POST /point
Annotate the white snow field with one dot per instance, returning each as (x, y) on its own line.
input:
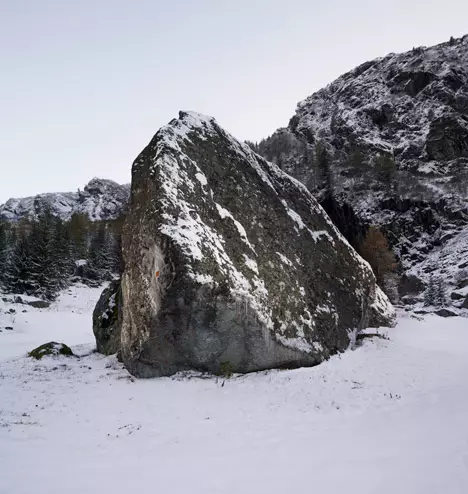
(389, 417)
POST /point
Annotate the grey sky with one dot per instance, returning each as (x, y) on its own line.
(85, 84)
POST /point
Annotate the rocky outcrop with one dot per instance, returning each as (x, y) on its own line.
(230, 262)
(100, 200)
(412, 107)
(107, 318)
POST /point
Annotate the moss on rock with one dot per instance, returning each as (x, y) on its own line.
(51, 349)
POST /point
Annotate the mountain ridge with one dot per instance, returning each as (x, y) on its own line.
(101, 200)
(407, 112)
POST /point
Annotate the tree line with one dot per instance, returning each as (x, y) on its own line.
(42, 255)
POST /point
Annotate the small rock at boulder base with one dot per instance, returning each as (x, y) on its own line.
(39, 304)
(465, 303)
(446, 313)
(230, 261)
(407, 300)
(106, 320)
(410, 284)
(51, 349)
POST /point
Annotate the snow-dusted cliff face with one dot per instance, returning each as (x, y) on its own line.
(411, 107)
(231, 262)
(99, 200)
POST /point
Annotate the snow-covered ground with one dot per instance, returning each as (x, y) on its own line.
(388, 417)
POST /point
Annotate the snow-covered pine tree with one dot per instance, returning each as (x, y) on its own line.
(431, 292)
(323, 163)
(44, 275)
(441, 293)
(61, 250)
(78, 231)
(115, 244)
(100, 254)
(3, 252)
(19, 265)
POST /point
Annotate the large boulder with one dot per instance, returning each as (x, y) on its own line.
(231, 262)
(107, 319)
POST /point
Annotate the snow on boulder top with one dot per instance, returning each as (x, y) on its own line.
(100, 200)
(231, 263)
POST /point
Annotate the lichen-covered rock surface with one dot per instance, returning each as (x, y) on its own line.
(51, 349)
(231, 262)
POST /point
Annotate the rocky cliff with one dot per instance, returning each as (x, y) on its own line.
(231, 264)
(396, 131)
(99, 200)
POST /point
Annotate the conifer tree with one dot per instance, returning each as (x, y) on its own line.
(3, 252)
(440, 293)
(45, 276)
(78, 231)
(323, 163)
(61, 250)
(100, 257)
(385, 169)
(18, 270)
(430, 294)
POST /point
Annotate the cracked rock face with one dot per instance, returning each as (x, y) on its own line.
(230, 262)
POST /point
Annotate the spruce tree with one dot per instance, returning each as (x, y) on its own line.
(115, 244)
(45, 275)
(3, 252)
(385, 169)
(323, 163)
(430, 294)
(19, 266)
(61, 249)
(357, 159)
(440, 293)
(78, 232)
(100, 256)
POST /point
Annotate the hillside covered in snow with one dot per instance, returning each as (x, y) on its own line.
(99, 200)
(395, 134)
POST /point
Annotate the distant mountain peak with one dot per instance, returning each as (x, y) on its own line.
(100, 199)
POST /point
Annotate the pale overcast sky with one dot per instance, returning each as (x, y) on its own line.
(86, 84)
